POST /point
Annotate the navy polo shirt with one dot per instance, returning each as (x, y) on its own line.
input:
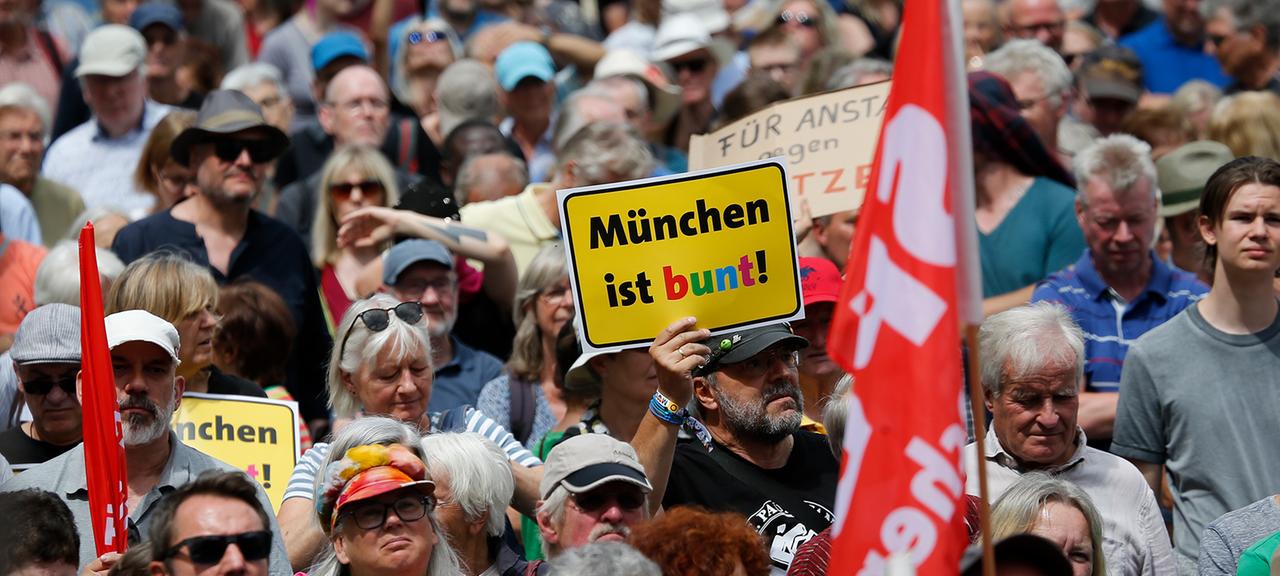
(1109, 324)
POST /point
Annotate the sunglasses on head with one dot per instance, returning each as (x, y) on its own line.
(41, 386)
(378, 319)
(229, 149)
(598, 500)
(429, 37)
(208, 550)
(695, 66)
(367, 188)
(801, 18)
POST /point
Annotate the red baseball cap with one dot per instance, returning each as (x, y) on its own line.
(820, 280)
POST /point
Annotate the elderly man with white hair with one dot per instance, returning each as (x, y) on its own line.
(1032, 369)
(24, 126)
(1118, 290)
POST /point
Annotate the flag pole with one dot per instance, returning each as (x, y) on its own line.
(979, 445)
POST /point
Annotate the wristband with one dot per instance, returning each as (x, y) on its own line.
(666, 410)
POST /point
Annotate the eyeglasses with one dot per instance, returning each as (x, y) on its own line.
(229, 149)
(695, 66)
(801, 18)
(373, 515)
(598, 500)
(429, 37)
(1031, 29)
(378, 319)
(555, 296)
(342, 191)
(208, 550)
(759, 364)
(413, 290)
(354, 107)
(41, 386)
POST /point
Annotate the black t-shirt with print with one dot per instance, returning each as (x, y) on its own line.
(785, 520)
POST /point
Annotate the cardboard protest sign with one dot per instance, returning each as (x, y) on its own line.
(256, 435)
(828, 141)
(716, 244)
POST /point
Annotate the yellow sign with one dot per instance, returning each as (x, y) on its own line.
(828, 140)
(716, 244)
(256, 435)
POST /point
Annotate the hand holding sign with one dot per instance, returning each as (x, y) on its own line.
(677, 352)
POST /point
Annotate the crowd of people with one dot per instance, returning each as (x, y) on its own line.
(352, 205)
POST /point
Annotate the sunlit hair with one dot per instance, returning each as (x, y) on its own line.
(1019, 56)
(155, 153)
(1018, 510)
(167, 284)
(604, 152)
(58, 277)
(545, 271)
(1119, 161)
(399, 341)
(723, 539)
(20, 96)
(605, 557)
(836, 412)
(478, 474)
(1017, 342)
(1248, 123)
(371, 164)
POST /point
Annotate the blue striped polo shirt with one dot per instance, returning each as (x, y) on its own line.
(1110, 325)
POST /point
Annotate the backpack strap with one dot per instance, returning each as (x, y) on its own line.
(522, 409)
(531, 568)
(45, 40)
(408, 149)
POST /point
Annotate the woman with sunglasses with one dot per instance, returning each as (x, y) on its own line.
(426, 48)
(381, 365)
(354, 177)
(376, 506)
(543, 304)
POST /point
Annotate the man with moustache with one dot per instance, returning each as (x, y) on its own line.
(593, 488)
(751, 456)
(144, 357)
(229, 150)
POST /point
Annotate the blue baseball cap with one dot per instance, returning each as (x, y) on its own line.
(523, 60)
(409, 252)
(335, 45)
(154, 13)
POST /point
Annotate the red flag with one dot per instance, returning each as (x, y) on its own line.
(897, 327)
(103, 441)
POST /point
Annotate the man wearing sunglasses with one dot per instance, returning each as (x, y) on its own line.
(751, 456)
(229, 150)
(213, 523)
(593, 489)
(46, 357)
(144, 359)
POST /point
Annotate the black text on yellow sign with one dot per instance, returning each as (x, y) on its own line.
(717, 244)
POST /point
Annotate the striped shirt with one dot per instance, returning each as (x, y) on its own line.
(101, 168)
(302, 482)
(1109, 323)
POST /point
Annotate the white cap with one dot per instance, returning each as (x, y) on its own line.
(685, 33)
(624, 62)
(710, 12)
(112, 50)
(142, 326)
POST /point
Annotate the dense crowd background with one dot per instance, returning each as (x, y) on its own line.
(351, 204)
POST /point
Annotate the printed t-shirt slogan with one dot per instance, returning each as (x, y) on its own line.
(716, 244)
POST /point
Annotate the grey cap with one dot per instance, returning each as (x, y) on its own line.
(49, 334)
(409, 252)
(226, 112)
(587, 461)
(741, 345)
(1183, 173)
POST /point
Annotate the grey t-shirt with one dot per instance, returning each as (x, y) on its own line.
(1227, 537)
(1203, 403)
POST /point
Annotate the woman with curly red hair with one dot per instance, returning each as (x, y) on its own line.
(711, 543)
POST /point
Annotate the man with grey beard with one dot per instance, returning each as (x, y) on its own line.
(751, 457)
(144, 357)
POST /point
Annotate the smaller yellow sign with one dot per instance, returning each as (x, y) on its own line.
(256, 435)
(716, 244)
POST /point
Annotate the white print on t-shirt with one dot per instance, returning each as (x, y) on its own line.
(784, 532)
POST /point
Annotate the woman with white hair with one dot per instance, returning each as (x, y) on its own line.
(381, 365)
(376, 492)
(1056, 510)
